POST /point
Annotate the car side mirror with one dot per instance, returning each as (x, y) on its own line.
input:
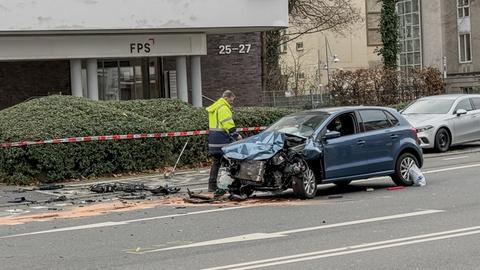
(460, 112)
(332, 135)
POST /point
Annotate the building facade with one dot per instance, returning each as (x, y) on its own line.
(462, 45)
(186, 49)
(309, 60)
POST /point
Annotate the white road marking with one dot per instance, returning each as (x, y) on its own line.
(263, 236)
(455, 158)
(453, 168)
(425, 172)
(126, 222)
(235, 239)
(351, 249)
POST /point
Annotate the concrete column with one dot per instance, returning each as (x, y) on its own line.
(76, 77)
(92, 79)
(195, 62)
(182, 85)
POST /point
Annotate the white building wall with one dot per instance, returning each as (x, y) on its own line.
(157, 15)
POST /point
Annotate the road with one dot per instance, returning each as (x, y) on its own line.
(431, 227)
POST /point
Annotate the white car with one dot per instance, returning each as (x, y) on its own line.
(445, 120)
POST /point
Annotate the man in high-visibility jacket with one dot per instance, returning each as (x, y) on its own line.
(222, 131)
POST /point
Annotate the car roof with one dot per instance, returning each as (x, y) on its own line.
(331, 110)
(450, 96)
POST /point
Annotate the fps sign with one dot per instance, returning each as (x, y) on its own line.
(145, 47)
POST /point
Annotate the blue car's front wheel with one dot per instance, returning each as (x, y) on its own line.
(305, 185)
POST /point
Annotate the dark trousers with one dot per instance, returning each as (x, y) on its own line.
(217, 162)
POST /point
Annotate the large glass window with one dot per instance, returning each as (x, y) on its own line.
(410, 38)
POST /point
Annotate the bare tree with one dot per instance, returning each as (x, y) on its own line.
(312, 16)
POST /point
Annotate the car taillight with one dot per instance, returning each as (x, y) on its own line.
(415, 134)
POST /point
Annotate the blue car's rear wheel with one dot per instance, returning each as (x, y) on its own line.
(305, 185)
(402, 169)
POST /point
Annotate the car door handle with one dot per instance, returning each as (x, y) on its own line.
(361, 142)
(394, 136)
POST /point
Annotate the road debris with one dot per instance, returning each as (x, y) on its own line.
(133, 188)
(18, 200)
(396, 188)
(370, 189)
(50, 187)
(335, 197)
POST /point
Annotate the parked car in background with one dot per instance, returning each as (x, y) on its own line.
(336, 145)
(445, 120)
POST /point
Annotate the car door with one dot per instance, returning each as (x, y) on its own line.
(344, 156)
(476, 116)
(381, 138)
(464, 127)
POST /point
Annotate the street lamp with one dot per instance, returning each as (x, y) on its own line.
(327, 59)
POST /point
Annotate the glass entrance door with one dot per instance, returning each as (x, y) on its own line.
(128, 79)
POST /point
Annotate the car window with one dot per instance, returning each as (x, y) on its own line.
(476, 103)
(392, 118)
(429, 106)
(345, 124)
(374, 120)
(465, 105)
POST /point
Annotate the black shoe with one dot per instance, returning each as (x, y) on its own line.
(212, 187)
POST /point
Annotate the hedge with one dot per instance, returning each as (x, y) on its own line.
(67, 116)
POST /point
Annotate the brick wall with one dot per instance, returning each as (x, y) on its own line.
(241, 73)
(20, 81)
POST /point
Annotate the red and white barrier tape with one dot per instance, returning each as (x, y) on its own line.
(119, 137)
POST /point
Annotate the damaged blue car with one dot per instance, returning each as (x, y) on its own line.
(335, 145)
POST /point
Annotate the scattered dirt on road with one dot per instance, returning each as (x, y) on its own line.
(123, 206)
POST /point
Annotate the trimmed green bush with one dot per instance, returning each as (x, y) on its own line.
(67, 116)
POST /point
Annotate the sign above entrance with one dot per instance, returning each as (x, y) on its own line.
(100, 46)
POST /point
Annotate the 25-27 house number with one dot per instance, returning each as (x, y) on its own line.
(229, 49)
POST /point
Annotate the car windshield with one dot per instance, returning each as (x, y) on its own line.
(303, 124)
(429, 106)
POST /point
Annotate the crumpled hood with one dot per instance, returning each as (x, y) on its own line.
(259, 147)
(420, 120)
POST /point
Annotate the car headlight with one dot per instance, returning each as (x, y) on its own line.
(424, 128)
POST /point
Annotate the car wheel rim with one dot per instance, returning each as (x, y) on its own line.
(405, 167)
(443, 140)
(309, 181)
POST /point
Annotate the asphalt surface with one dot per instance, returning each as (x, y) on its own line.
(431, 227)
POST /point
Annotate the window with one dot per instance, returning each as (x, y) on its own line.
(476, 103)
(345, 124)
(283, 48)
(465, 105)
(392, 119)
(299, 46)
(465, 48)
(374, 120)
(301, 75)
(373, 8)
(463, 8)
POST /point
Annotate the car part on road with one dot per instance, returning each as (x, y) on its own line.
(169, 175)
(50, 187)
(417, 177)
(18, 200)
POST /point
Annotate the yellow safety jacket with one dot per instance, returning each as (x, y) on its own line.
(222, 128)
